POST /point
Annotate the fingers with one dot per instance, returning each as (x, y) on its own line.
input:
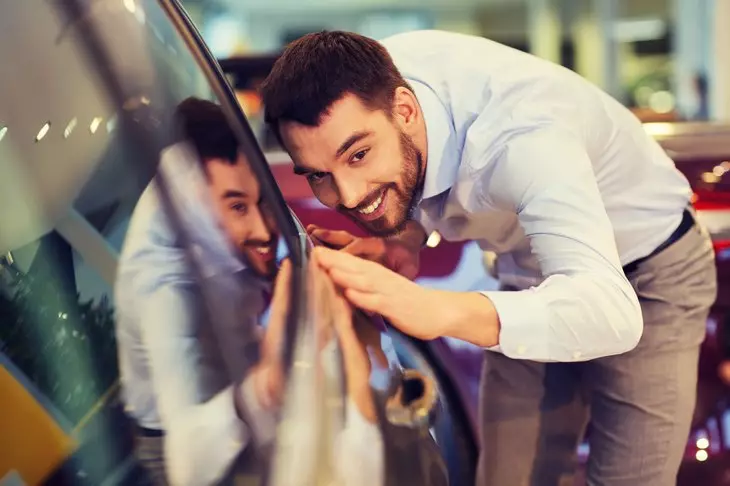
(329, 259)
(358, 281)
(367, 301)
(369, 248)
(333, 238)
(279, 310)
(369, 335)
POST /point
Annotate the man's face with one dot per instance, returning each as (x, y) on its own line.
(243, 214)
(359, 162)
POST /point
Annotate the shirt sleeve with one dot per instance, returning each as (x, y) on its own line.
(585, 307)
(202, 438)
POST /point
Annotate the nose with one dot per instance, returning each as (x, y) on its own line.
(351, 191)
(259, 230)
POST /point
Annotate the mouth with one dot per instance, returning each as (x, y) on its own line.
(263, 252)
(373, 209)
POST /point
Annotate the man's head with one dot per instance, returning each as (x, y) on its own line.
(232, 185)
(351, 124)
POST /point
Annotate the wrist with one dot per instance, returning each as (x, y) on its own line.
(472, 317)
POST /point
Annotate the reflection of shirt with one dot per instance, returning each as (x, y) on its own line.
(173, 374)
(172, 371)
(543, 168)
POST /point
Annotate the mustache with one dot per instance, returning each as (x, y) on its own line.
(256, 243)
(367, 200)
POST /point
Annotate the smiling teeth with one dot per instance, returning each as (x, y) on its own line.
(372, 207)
(264, 250)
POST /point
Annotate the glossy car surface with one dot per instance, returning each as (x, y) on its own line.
(88, 99)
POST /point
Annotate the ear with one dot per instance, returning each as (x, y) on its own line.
(406, 110)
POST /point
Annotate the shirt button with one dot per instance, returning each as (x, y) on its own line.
(577, 355)
(521, 349)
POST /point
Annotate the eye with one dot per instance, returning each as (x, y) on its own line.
(239, 207)
(316, 177)
(358, 156)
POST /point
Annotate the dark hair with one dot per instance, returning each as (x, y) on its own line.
(204, 125)
(320, 68)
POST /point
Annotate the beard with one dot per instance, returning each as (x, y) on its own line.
(403, 199)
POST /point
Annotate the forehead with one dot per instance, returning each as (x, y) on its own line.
(345, 117)
(224, 177)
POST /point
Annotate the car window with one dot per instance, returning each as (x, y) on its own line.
(138, 247)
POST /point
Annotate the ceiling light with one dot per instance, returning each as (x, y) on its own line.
(703, 443)
(3, 131)
(701, 455)
(111, 124)
(710, 178)
(433, 239)
(43, 131)
(130, 5)
(95, 124)
(69, 128)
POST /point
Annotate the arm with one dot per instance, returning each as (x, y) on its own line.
(585, 308)
(202, 438)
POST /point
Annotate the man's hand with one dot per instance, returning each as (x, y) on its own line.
(398, 254)
(339, 318)
(417, 311)
(269, 373)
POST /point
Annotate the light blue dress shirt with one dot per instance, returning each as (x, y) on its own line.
(538, 165)
(172, 374)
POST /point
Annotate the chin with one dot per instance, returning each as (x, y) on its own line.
(382, 229)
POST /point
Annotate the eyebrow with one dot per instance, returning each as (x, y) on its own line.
(299, 170)
(351, 140)
(233, 194)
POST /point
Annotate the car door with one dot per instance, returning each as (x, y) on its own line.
(132, 307)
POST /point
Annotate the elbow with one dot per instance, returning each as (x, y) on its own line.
(621, 315)
(601, 318)
(631, 334)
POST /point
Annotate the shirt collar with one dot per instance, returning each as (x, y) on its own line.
(442, 164)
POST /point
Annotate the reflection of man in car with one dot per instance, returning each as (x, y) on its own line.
(186, 398)
(232, 185)
(177, 387)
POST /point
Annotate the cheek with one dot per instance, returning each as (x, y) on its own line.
(326, 193)
(234, 227)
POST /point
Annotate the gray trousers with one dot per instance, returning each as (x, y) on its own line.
(640, 404)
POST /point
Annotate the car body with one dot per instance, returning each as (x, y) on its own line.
(88, 103)
(700, 150)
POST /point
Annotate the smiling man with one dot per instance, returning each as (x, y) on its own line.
(232, 186)
(439, 131)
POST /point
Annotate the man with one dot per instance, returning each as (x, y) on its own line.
(198, 390)
(482, 142)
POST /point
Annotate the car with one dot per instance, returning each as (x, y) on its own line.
(701, 150)
(88, 119)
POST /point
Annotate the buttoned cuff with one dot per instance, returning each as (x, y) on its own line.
(523, 321)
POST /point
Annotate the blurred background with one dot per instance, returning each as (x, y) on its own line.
(662, 58)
